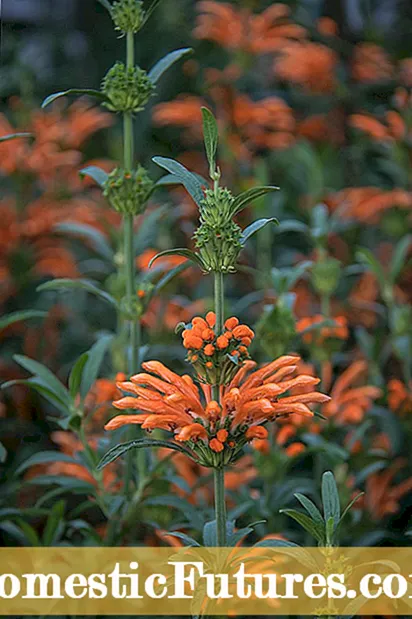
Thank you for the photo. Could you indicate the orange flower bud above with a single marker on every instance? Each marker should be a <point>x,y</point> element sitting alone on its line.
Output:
<point>263,446</point>
<point>243,350</point>
<point>208,335</point>
<point>191,432</point>
<point>222,435</point>
<point>194,358</point>
<point>222,342</point>
<point>216,445</point>
<point>295,449</point>
<point>199,322</point>
<point>211,319</point>
<point>243,331</point>
<point>256,432</point>
<point>209,364</point>
<point>213,409</point>
<point>209,350</point>
<point>141,294</point>
<point>246,341</point>
<point>192,341</point>
<point>231,323</point>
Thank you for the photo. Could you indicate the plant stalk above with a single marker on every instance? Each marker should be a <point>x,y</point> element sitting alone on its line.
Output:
<point>220,506</point>
<point>219,473</point>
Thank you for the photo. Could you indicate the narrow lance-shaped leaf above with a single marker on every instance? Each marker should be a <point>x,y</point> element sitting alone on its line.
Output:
<point>310,507</point>
<point>76,375</point>
<point>44,457</point>
<point>49,379</point>
<point>75,91</point>
<point>211,138</point>
<point>94,361</point>
<point>255,227</point>
<point>399,257</point>
<point>10,319</point>
<point>330,498</point>
<point>186,253</point>
<point>96,173</point>
<point>14,136</point>
<point>142,443</point>
<point>40,387</point>
<point>96,239</point>
<point>183,176</point>
<point>106,5</point>
<point>163,281</point>
<point>81,284</point>
<point>166,62</point>
<point>243,199</point>
<point>3,453</point>
<point>307,523</point>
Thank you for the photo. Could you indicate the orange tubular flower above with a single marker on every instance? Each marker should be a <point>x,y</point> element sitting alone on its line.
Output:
<point>368,203</point>
<point>339,331</point>
<point>349,402</point>
<point>250,400</point>
<point>400,397</point>
<point>311,65</point>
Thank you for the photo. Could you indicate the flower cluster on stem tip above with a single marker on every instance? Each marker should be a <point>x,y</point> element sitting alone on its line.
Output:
<point>128,191</point>
<point>128,15</point>
<point>218,236</point>
<point>216,431</point>
<point>128,89</point>
<point>216,357</point>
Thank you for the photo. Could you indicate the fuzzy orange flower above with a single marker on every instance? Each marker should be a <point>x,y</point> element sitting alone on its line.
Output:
<point>400,396</point>
<point>349,401</point>
<point>253,398</point>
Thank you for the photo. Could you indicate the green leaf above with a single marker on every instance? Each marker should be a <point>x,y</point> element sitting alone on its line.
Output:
<point>310,507</point>
<point>185,538</point>
<point>80,284</point>
<point>307,523</point>
<point>150,9</point>
<point>349,506</point>
<point>95,238</point>
<point>210,534</point>
<point>292,225</point>
<point>186,253</point>
<point>106,5</point>
<point>54,525</point>
<point>255,227</point>
<point>163,281</point>
<point>211,137</point>
<point>330,498</point>
<point>275,543</point>
<point>3,453</point>
<point>10,319</point>
<point>166,62</point>
<point>14,136</point>
<point>95,358</point>
<point>330,526</point>
<point>44,457</point>
<point>243,199</point>
<point>38,385</point>
<point>183,176</point>
<point>366,257</point>
<point>74,91</point>
<point>399,257</point>
<point>144,443</point>
<point>75,376</point>
<point>96,173</point>
<point>46,376</point>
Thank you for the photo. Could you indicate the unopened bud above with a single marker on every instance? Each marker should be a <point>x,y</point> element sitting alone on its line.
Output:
<point>128,89</point>
<point>128,192</point>
<point>128,15</point>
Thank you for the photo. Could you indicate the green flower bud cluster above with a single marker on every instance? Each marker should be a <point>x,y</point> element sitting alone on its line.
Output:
<point>128,89</point>
<point>128,15</point>
<point>276,329</point>
<point>326,274</point>
<point>128,192</point>
<point>218,236</point>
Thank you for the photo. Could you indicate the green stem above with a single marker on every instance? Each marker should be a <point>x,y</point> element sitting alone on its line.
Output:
<point>219,473</point>
<point>134,327</point>
<point>220,506</point>
<point>325,305</point>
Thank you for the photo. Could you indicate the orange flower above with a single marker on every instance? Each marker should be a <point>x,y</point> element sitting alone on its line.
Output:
<point>239,29</point>
<point>399,396</point>
<point>371,63</point>
<point>173,402</point>
<point>367,204</point>
<point>349,403</point>
<point>381,497</point>
<point>311,65</point>
<point>392,128</point>
<point>318,336</point>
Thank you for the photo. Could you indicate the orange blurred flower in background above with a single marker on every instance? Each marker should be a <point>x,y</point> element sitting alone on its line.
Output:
<point>368,204</point>
<point>400,397</point>
<point>350,400</point>
<point>241,30</point>
<point>371,63</point>
<point>310,65</point>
